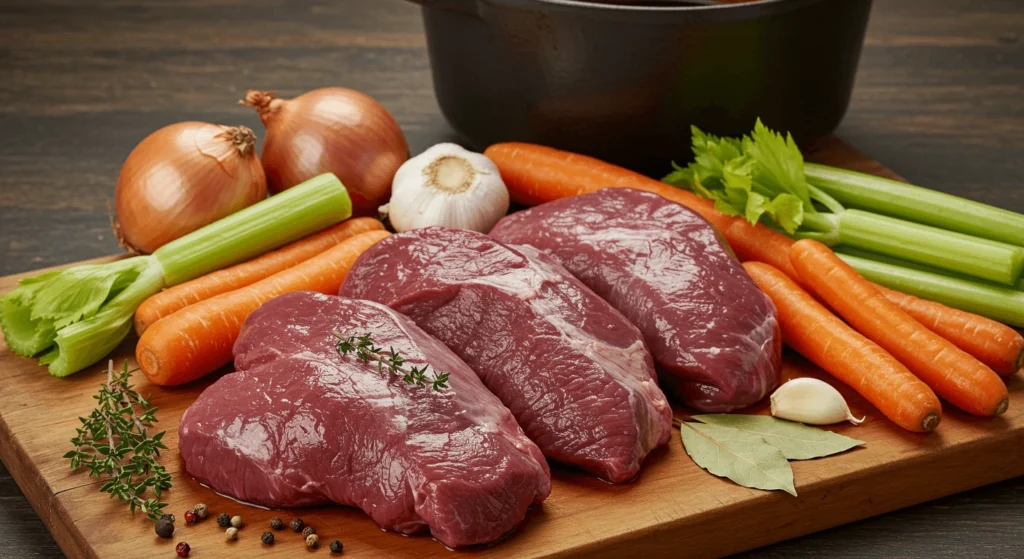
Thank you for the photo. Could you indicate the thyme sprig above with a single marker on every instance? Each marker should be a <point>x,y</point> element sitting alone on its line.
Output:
<point>114,444</point>
<point>392,361</point>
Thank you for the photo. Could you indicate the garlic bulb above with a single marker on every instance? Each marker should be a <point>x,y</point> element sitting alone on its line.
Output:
<point>447,185</point>
<point>811,401</point>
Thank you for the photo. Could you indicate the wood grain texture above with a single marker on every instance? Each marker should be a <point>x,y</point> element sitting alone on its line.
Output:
<point>938,99</point>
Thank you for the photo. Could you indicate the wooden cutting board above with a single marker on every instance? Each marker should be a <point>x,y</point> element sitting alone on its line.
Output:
<point>674,509</point>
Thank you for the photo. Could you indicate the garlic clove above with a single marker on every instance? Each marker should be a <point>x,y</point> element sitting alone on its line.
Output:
<point>811,401</point>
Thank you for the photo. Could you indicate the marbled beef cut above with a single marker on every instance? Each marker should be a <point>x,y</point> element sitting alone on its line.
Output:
<point>572,369</point>
<point>301,425</point>
<point>713,333</point>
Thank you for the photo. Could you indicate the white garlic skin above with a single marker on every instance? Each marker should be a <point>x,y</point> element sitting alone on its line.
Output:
<point>415,203</point>
<point>811,401</point>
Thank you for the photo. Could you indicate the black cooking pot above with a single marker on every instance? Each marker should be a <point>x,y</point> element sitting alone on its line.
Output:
<point>625,82</point>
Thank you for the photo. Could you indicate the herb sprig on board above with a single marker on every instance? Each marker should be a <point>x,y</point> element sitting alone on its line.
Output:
<point>391,361</point>
<point>115,445</point>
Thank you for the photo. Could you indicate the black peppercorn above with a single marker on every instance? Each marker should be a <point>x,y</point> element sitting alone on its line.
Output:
<point>307,531</point>
<point>337,546</point>
<point>167,517</point>
<point>297,524</point>
<point>164,528</point>
<point>268,538</point>
<point>223,520</point>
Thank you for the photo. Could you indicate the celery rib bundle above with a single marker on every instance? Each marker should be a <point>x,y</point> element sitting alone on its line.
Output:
<point>72,318</point>
<point>937,246</point>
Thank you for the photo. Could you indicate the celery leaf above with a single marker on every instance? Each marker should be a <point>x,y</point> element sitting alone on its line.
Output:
<point>87,307</point>
<point>80,291</point>
<point>757,176</point>
<point>787,211</point>
<point>24,335</point>
<point>780,165</point>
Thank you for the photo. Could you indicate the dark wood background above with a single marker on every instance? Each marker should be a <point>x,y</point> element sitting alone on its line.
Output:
<point>939,99</point>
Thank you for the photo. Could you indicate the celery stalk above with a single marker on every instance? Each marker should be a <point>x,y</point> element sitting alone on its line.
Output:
<point>82,313</point>
<point>290,215</point>
<point>913,203</point>
<point>1000,303</point>
<point>945,250</point>
<point>763,178</point>
<point>918,244</point>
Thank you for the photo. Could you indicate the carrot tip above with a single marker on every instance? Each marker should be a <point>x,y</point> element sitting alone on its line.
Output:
<point>1002,406</point>
<point>1019,362</point>
<point>930,422</point>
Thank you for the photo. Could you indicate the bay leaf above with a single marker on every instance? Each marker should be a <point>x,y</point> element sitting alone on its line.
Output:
<point>796,440</point>
<point>740,456</point>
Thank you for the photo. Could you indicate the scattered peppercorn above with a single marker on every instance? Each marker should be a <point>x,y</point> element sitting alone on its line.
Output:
<point>190,517</point>
<point>236,521</point>
<point>337,546</point>
<point>307,531</point>
<point>231,534</point>
<point>223,520</point>
<point>268,538</point>
<point>276,523</point>
<point>312,541</point>
<point>201,511</point>
<point>167,517</point>
<point>182,549</point>
<point>164,528</point>
<point>297,524</point>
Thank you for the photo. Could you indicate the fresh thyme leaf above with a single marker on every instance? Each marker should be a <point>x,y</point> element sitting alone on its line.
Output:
<point>392,361</point>
<point>114,443</point>
<point>441,381</point>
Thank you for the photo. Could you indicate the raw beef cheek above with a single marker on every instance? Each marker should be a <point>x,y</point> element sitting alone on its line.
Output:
<point>301,425</point>
<point>572,369</point>
<point>713,333</point>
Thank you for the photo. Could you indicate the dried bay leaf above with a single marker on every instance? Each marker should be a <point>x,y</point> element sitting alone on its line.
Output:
<point>740,456</point>
<point>796,440</point>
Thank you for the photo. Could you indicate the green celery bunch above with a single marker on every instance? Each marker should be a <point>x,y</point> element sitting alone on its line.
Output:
<point>72,318</point>
<point>763,177</point>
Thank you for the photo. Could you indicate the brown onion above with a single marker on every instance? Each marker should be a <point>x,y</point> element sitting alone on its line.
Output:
<point>182,177</point>
<point>334,130</point>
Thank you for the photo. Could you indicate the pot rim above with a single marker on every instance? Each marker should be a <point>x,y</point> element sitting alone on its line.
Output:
<point>658,14</point>
<point>667,8</point>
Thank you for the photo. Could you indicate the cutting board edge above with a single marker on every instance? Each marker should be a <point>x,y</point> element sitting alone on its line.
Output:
<point>794,517</point>
<point>829,503</point>
<point>43,500</point>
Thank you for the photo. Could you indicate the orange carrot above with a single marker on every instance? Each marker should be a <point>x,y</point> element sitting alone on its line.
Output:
<point>993,343</point>
<point>536,174</point>
<point>180,296</point>
<point>198,339</point>
<point>951,372</point>
<point>817,334</point>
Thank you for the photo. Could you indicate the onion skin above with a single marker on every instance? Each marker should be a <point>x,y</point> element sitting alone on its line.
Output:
<point>331,130</point>
<point>183,177</point>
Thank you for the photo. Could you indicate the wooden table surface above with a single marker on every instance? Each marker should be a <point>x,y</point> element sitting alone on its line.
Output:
<point>939,99</point>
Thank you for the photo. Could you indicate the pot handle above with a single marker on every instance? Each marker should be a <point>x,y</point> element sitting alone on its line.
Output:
<point>468,7</point>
